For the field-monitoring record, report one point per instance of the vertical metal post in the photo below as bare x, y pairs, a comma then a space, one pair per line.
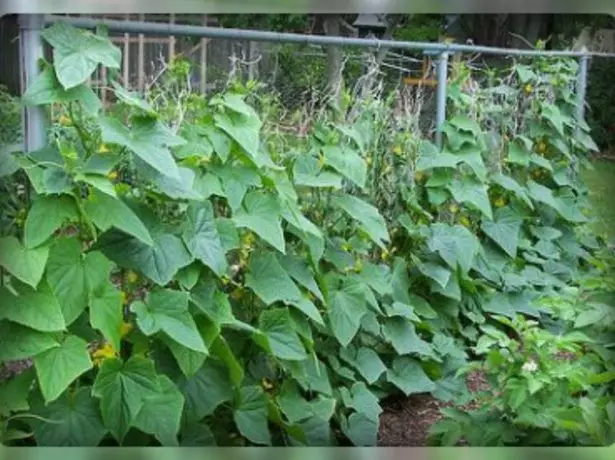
31, 50
441, 96
581, 88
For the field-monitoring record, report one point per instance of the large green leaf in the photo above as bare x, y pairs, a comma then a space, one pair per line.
161, 413
251, 415
15, 392
346, 307
206, 390
167, 311
73, 420
504, 231
46, 89
159, 262
202, 239
186, 187
455, 244
25, 264
369, 364
471, 191
408, 375
107, 212
307, 172
245, 130
403, 337
508, 183
360, 429
364, 401
58, 367
189, 361
430, 157
347, 162
369, 217
148, 138
277, 326
46, 215
472, 157
121, 388
20, 342
77, 53
38, 309
67, 274
261, 214
106, 313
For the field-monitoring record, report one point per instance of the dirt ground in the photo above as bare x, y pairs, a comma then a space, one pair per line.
405, 422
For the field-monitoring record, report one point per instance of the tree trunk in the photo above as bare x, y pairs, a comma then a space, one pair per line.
331, 26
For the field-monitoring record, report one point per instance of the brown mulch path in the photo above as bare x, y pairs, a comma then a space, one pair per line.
405, 422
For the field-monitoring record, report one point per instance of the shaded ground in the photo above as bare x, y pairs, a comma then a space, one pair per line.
406, 422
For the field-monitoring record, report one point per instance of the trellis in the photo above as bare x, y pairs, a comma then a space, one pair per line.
32, 49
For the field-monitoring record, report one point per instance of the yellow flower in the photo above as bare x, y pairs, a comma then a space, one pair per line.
125, 328
541, 148
347, 247
65, 121
321, 160
368, 160
397, 150
453, 208
112, 175
358, 266
528, 89
385, 255
132, 277
124, 297
103, 149
104, 352
499, 202
388, 169
419, 176
266, 384
463, 220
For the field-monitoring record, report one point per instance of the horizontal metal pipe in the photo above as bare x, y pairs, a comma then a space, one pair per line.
265, 36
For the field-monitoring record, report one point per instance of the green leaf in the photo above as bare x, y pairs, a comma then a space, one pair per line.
100, 183
518, 153
121, 388
66, 274
471, 191
465, 123
307, 173
202, 239
369, 217
189, 361
472, 156
346, 307
132, 99
552, 113
159, 262
504, 231
276, 325
251, 416
401, 334
147, 138
364, 401
206, 390
167, 311
298, 269
58, 367
161, 413
408, 375
369, 364
38, 309
455, 244
360, 429
46, 90
245, 130
261, 214
107, 212
271, 284
74, 421
432, 160
435, 272
228, 234
508, 183
19, 342
25, 264
77, 53
347, 162
182, 188
106, 313
14, 392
